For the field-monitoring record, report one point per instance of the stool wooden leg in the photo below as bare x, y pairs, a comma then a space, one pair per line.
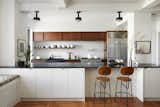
95, 91
131, 91
104, 83
127, 93
121, 90
100, 88
110, 91
116, 89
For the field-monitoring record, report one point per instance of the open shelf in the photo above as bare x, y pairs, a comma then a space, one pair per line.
55, 48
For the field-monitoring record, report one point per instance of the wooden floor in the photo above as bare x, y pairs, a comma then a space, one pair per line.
89, 103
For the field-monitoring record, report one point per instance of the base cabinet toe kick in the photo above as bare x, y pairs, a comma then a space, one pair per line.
75, 84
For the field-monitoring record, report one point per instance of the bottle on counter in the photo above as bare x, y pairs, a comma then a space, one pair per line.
69, 55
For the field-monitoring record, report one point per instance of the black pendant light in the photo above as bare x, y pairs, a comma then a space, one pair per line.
119, 18
78, 18
36, 18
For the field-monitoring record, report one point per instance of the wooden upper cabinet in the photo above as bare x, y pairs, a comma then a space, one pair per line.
93, 36
38, 36
71, 36
52, 36
102, 36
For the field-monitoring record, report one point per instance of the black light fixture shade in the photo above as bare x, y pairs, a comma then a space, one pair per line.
36, 17
78, 18
119, 18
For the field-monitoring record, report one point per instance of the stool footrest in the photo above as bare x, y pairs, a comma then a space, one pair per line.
103, 93
122, 92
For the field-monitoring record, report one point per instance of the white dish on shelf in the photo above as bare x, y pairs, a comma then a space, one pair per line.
38, 57
63, 46
58, 46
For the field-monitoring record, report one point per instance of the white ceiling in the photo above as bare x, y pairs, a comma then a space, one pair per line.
156, 9
42, 1
114, 1
36, 1
97, 5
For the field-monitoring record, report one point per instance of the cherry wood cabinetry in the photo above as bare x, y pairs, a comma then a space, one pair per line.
71, 36
93, 36
38, 36
52, 36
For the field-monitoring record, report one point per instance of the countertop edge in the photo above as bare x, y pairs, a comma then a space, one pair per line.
9, 80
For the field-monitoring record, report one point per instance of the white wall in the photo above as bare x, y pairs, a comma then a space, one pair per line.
7, 33
0, 14
141, 26
144, 31
130, 27
157, 30
20, 28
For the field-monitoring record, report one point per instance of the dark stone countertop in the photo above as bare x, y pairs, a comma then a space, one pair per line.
78, 65
147, 65
68, 65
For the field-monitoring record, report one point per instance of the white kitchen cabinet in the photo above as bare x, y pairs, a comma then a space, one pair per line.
60, 83
151, 83
43, 83
51, 83
139, 83
28, 83
76, 83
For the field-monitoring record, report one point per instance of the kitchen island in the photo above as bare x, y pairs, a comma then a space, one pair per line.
75, 83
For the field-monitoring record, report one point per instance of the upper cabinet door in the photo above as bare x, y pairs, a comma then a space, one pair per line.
93, 36
52, 36
72, 36
38, 36
102, 36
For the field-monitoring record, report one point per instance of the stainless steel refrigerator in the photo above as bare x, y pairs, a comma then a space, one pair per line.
117, 48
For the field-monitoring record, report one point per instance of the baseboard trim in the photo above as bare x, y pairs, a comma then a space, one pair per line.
76, 99
53, 99
151, 99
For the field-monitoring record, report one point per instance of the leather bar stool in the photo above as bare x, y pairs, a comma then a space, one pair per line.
125, 81
102, 81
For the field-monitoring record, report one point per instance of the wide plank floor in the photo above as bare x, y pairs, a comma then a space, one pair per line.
89, 103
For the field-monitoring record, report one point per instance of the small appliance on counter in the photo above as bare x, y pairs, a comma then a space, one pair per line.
54, 59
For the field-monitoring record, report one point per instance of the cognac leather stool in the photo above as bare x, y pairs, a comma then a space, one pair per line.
125, 81
102, 81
